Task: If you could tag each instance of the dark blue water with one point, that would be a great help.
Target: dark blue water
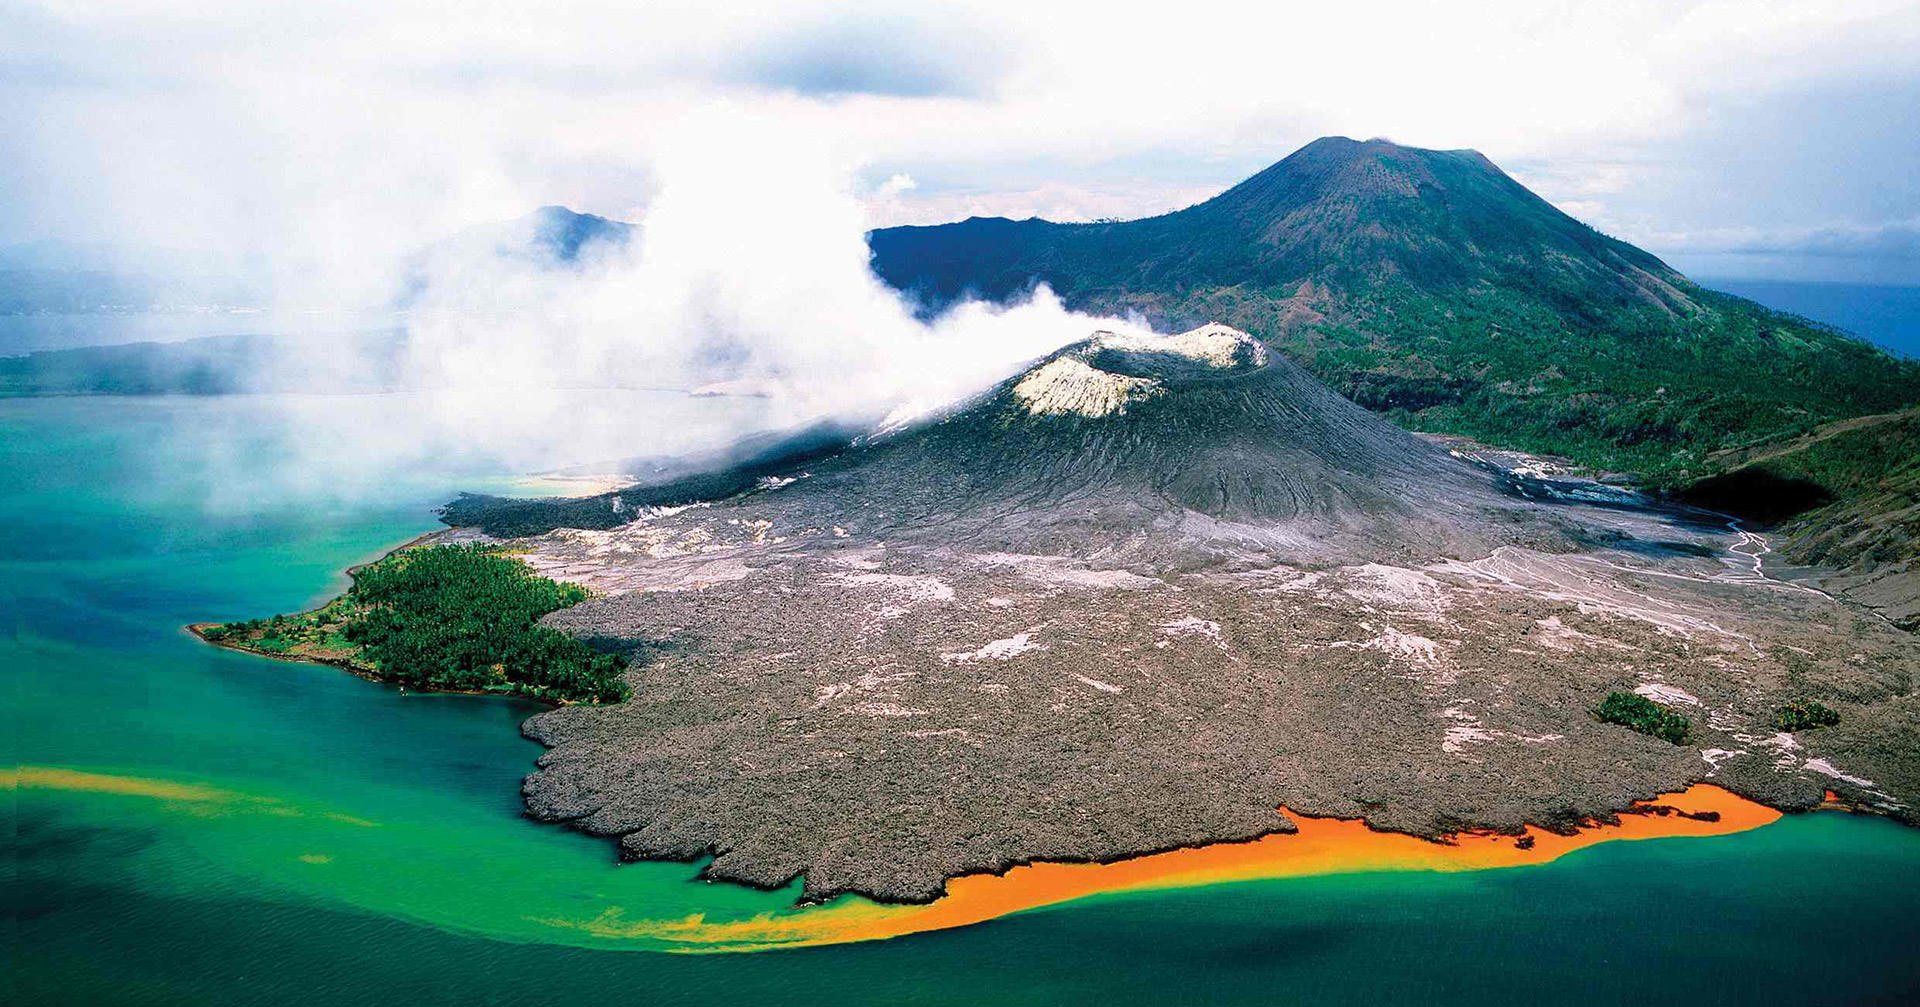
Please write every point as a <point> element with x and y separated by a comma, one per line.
<point>1885,315</point>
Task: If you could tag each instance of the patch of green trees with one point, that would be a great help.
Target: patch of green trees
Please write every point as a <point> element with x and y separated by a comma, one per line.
<point>1802,714</point>
<point>458,617</point>
<point>1644,715</point>
<point>467,617</point>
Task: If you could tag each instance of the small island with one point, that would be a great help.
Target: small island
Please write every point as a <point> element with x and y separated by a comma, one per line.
<point>450,618</point>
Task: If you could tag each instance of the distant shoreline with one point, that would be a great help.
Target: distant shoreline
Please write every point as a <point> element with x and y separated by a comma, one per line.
<point>1884,314</point>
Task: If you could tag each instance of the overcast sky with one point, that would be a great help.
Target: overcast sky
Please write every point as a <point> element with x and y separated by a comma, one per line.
<point>1747,138</point>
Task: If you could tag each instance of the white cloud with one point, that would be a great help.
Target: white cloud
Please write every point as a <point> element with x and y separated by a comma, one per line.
<point>741,279</point>
<point>325,141</point>
<point>1896,240</point>
<point>320,146</point>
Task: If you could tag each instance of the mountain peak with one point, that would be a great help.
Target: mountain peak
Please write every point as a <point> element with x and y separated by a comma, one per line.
<point>1342,142</point>
<point>560,233</point>
<point>1337,141</point>
<point>1431,283</point>
<point>1338,214</point>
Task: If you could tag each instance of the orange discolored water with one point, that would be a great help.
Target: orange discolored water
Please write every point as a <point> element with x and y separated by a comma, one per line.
<point>1321,846</point>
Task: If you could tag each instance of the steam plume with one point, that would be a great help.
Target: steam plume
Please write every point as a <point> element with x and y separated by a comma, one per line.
<point>749,276</point>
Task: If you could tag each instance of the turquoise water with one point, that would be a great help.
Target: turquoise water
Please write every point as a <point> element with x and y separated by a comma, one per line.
<point>366,846</point>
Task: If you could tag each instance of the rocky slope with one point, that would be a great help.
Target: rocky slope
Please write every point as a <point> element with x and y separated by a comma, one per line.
<point>1202,444</point>
<point>1143,595</point>
<point>1845,498</point>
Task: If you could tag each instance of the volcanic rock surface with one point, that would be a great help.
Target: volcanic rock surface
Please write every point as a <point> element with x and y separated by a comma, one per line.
<point>1141,596</point>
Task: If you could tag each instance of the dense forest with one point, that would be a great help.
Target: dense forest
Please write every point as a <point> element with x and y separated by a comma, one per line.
<point>460,617</point>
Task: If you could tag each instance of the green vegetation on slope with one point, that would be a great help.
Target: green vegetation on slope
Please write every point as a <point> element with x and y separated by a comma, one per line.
<point>1804,714</point>
<point>462,618</point>
<point>1637,390</point>
<point>1869,469</point>
<point>1430,286</point>
<point>1846,496</point>
<point>1644,715</point>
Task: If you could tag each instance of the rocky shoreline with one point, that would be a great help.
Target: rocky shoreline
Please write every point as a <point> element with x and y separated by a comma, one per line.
<point>972,647</point>
<point>1084,619</point>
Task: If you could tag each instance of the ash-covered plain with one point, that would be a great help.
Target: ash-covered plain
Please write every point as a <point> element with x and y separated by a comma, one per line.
<point>1140,597</point>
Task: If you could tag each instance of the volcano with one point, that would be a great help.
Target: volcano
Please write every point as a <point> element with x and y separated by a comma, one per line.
<point>1202,445</point>
<point>1339,214</point>
<point>1141,596</point>
<point>1432,286</point>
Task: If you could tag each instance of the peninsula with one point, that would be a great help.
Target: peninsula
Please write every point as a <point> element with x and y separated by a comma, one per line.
<point>1149,591</point>
<point>1140,597</point>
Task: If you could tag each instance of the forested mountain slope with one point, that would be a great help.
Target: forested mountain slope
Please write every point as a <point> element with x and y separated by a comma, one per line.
<point>1431,286</point>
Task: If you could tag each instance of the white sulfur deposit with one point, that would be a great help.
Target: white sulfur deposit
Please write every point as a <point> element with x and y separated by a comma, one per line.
<point>1067,386</point>
<point>1215,345</point>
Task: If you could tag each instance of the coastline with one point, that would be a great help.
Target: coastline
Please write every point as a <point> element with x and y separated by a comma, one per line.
<point>358,670</point>
<point>361,671</point>
<point>1321,846</point>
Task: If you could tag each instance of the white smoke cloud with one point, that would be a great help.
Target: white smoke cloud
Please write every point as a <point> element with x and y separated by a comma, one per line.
<point>312,151</point>
<point>309,145</point>
<point>748,279</point>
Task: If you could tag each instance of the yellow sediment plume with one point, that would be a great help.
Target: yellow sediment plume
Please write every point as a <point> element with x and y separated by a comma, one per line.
<point>54,778</point>
<point>1321,846</point>
<point>190,798</point>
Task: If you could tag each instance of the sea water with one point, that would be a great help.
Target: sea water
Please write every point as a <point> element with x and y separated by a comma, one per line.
<point>1887,316</point>
<point>201,825</point>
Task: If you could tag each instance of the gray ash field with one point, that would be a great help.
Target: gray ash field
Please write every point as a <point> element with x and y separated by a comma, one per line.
<point>1140,597</point>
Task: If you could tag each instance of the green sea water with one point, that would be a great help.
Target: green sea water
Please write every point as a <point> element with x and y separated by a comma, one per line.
<point>342,842</point>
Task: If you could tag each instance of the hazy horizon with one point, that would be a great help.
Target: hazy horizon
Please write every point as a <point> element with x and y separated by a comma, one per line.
<point>318,162</point>
<point>314,149</point>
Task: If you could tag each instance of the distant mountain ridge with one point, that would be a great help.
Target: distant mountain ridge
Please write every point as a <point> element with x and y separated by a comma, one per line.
<point>552,235</point>
<point>48,277</point>
<point>63,277</point>
<point>1432,286</point>
<point>1336,212</point>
